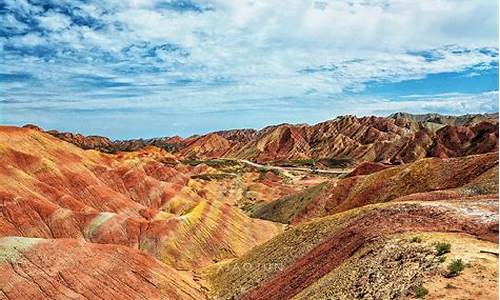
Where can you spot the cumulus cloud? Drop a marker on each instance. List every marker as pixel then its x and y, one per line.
pixel 199 55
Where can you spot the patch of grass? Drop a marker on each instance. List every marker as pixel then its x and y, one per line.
pixel 264 170
pixel 285 209
pixel 421 291
pixel 416 239
pixel 336 162
pixel 455 267
pixel 296 163
pixel 209 177
pixel 442 248
pixel 215 163
pixel 442 259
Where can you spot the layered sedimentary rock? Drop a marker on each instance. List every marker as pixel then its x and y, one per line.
pixel 399 138
pixel 164 223
pixel 51 189
pixel 291 262
pixel 34 268
pixel 425 179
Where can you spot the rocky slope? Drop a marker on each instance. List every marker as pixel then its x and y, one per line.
pixel 290 263
pixel 158 224
pixel 51 189
pixel 425 179
pixel 399 138
pixel 34 268
pixel 394 140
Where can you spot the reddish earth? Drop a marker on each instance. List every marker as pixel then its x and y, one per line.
pixel 99 143
pixel 211 145
pixel 368 168
pixel 151 219
pixel 143 200
pixel 426 179
pixel 316 248
pixel 344 242
pixel 399 138
pixel 74 269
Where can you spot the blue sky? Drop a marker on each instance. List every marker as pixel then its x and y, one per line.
pixel 145 68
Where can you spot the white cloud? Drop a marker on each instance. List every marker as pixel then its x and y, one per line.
pixel 54 21
pixel 208 55
pixel 30 39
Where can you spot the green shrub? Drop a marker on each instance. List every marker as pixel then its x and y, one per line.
pixel 455 267
pixel 442 248
pixel 209 177
pixel 215 163
pixel 416 239
pixel 442 259
pixel 421 291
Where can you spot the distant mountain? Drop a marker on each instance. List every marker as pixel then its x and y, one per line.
pixel 398 138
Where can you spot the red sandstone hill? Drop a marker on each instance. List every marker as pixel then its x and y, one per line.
pixel 360 254
pixel 149 224
pixel 374 139
pixel 154 218
pixel 399 138
pixel 33 268
pixel 425 179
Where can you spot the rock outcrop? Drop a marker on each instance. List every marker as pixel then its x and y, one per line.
pixel 53 190
pixel 291 262
pixel 425 179
pixel 89 218
pixel 399 138
pixel 34 268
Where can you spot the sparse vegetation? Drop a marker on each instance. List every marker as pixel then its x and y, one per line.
pixel 336 162
pixel 442 259
pixel 421 291
pixel 209 177
pixel 264 170
pixel 215 163
pixel 296 163
pixel 284 209
pixel 455 267
pixel 442 248
pixel 416 239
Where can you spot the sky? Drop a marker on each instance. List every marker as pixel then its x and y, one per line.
pixel 147 68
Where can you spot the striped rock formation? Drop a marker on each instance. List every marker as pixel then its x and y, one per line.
pixel 399 138
pixel 152 224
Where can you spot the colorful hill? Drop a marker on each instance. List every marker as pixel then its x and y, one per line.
pixel 296 262
pixel 34 268
pixel 246 214
pixel 52 189
pixel 425 179
pixel 399 138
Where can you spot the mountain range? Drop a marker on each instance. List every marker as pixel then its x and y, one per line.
pixel 399 138
pixel 351 208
